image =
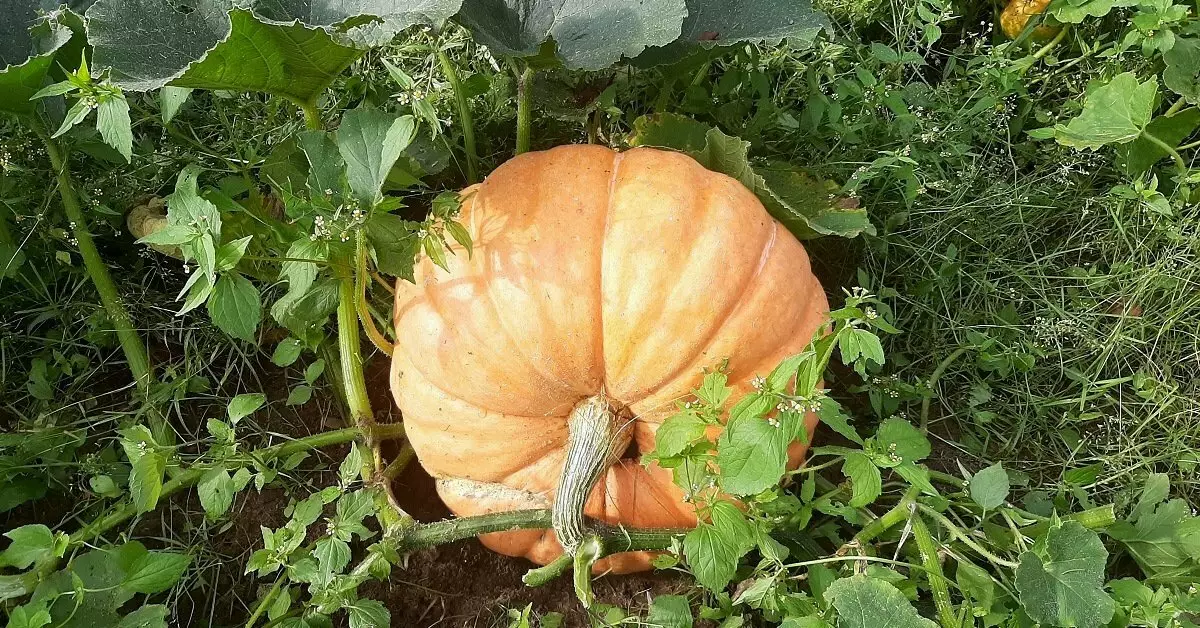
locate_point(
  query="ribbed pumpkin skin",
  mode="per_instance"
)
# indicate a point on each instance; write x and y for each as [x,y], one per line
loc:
[592,270]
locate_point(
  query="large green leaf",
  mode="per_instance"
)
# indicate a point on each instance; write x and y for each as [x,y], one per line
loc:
[1061,580]
[590,34]
[804,204]
[711,23]
[29,45]
[865,602]
[293,48]
[1115,113]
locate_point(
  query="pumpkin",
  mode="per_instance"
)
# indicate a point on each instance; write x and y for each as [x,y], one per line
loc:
[1014,17]
[534,372]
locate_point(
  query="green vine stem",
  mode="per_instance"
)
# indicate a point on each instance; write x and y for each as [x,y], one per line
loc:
[350,356]
[266,602]
[312,115]
[464,114]
[131,343]
[1179,163]
[964,537]
[361,277]
[594,439]
[933,380]
[524,109]
[933,572]
[890,519]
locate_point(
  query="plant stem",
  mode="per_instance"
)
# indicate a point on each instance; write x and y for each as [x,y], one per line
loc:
[933,573]
[524,109]
[266,601]
[350,356]
[312,115]
[957,533]
[933,380]
[1044,50]
[593,440]
[131,343]
[127,510]
[890,519]
[360,302]
[464,114]
[1179,163]
[397,465]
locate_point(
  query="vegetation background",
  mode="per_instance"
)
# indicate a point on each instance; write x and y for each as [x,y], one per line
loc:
[1011,219]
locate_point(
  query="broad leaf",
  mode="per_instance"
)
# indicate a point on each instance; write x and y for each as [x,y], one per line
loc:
[235,306]
[370,141]
[866,482]
[28,49]
[1061,580]
[1183,63]
[395,244]
[369,614]
[1112,114]
[903,440]
[215,490]
[714,549]
[677,432]
[153,572]
[806,206]
[670,611]
[865,602]
[989,487]
[1138,156]
[726,22]
[590,34]
[752,454]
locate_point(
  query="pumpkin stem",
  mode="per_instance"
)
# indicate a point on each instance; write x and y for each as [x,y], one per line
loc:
[596,437]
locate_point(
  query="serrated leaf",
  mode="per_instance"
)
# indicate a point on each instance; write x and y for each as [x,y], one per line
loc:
[170,101]
[30,543]
[677,433]
[866,483]
[369,614]
[395,244]
[865,602]
[670,611]
[153,572]
[589,34]
[332,554]
[830,413]
[112,120]
[752,454]
[1061,580]
[1114,113]
[215,490]
[989,487]
[901,438]
[370,141]
[235,306]
[714,549]
[150,616]
[145,480]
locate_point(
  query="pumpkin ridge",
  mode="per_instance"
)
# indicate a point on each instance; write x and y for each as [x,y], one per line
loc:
[707,341]
[612,186]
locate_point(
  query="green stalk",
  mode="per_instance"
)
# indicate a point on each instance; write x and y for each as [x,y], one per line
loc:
[312,115]
[126,510]
[933,380]
[132,346]
[524,109]
[890,519]
[349,352]
[1179,163]
[933,573]
[464,114]
[266,601]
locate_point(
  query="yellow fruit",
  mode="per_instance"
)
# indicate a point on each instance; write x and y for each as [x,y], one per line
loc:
[1017,14]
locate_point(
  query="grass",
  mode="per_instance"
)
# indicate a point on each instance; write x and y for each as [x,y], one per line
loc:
[1051,314]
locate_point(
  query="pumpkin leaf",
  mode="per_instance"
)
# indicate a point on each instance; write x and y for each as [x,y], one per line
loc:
[29,46]
[589,34]
[1115,113]
[803,204]
[865,602]
[1183,61]
[1061,580]
[1138,156]
[711,23]
[290,49]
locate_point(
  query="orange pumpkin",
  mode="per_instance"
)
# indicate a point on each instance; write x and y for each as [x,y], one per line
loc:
[600,286]
[1018,12]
